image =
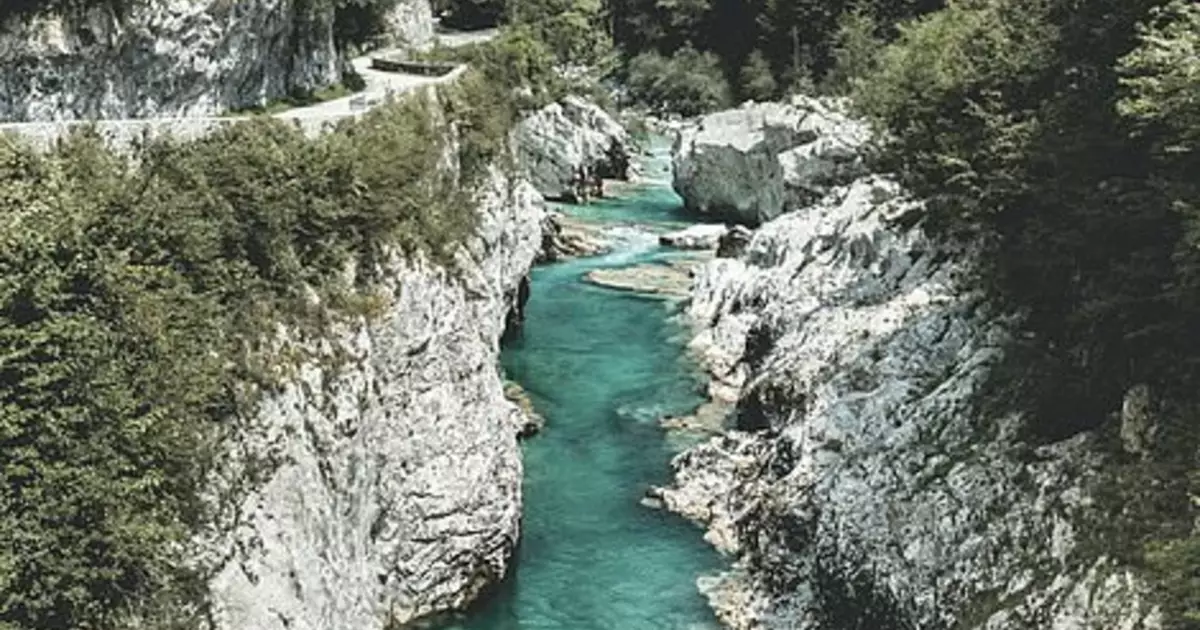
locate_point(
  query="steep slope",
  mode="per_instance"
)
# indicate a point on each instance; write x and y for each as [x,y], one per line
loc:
[166,58]
[397,491]
[874,480]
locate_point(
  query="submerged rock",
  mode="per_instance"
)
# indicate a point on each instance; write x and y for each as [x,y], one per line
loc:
[695,237]
[534,421]
[670,280]
[752,164]
[390,469]
[564,237]
[570,139]
[869,478]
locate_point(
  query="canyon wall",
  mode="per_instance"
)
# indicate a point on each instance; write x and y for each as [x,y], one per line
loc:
[394,483]
[876,474]
[175,58]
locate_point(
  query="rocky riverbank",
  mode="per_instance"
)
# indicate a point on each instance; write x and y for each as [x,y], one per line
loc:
[395,490]
[868,479]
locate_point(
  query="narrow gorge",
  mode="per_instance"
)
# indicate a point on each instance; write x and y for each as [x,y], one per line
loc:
[499,315]
[876,475]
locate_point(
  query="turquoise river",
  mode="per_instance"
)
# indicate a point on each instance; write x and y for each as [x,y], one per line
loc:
[602,366]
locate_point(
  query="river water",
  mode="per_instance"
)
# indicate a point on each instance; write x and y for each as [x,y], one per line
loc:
[602,366]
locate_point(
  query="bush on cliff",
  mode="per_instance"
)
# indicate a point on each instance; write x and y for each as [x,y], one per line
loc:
[137,302]
[1004,116]
[1065,137]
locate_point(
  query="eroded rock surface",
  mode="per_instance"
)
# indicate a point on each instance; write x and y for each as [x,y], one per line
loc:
[756,162]
[393,475]
[174,58]
[869,483]
[703,236]
[565,237]
[562,140]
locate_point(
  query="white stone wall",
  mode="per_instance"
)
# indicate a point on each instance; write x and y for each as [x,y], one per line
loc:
[872,476]
[396,490]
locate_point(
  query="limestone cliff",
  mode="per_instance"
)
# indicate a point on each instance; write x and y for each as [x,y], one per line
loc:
[870,480]
[168,58]
[392,484]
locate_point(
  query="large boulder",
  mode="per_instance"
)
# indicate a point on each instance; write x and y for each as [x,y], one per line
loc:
[756,162]
[563,140]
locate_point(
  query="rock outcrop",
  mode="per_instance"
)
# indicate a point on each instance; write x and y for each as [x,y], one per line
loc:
[390,470]
[173,58]
[702,236]
[565,237]
[564,145]
[410,24]
[873,477]
[751,164]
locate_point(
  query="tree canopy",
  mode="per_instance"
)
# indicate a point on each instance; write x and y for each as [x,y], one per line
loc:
[138,297]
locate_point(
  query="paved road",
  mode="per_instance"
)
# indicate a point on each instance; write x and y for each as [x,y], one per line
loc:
[313,119]
[378,82]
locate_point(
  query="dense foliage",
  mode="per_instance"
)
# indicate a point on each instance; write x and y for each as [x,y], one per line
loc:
[1008,117]
[1063,135]
[689,82]
[698,55]
[137,300]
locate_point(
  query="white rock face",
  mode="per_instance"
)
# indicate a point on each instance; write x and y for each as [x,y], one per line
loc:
[558,140]
[393,485]
[866,486]
[410,24]
[171,58]
[754,163]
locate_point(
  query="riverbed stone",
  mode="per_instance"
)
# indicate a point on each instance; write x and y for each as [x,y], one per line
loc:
[703,236]
[667,279]
[565,237]
[734,242]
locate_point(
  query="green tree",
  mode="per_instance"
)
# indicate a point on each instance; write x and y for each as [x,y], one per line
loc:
[855,52]
[757,82]
[690,82]
[138,300]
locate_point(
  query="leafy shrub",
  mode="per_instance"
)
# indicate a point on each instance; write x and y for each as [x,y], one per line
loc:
[855,51]
[574,30]
[135,299]
[1007,117]
[517,61]
[689,82]
[471,14]
[757,81]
